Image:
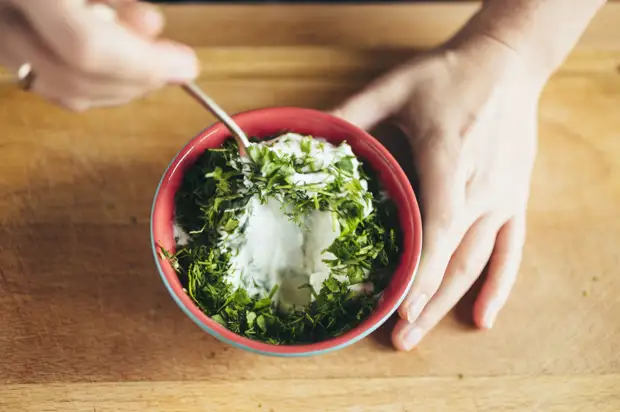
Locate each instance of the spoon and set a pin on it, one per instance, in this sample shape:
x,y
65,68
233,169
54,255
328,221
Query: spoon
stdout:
x,y
240,137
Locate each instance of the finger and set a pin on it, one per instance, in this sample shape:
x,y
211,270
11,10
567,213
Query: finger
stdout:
x,y
502,273
54,81
18,42
8,56
85,40
142,18
379,100
442,184
464,268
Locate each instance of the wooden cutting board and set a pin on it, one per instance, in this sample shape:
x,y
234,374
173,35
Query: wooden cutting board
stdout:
x,y
86,325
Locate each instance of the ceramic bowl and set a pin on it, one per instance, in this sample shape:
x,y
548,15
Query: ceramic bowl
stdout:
x,y
268,122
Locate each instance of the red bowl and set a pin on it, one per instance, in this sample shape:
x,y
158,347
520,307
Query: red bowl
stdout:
x,y
269,122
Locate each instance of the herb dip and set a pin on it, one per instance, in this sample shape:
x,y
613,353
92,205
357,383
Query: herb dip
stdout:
x,y
293,246
269,249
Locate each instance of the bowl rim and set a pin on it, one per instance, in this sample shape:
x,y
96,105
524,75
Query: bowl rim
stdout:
x,y
290,350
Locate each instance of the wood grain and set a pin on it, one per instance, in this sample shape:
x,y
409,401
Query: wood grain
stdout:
x,y
408,24
86,325
466,394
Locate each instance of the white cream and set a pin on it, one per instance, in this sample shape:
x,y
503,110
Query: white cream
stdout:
x,y
273,250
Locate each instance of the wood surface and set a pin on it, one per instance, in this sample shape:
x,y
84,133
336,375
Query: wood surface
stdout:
x,y
86,325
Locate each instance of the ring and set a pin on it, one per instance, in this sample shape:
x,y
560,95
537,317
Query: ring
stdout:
x,y
25,76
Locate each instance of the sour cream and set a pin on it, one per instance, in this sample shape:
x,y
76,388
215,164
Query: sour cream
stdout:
x,y
276,251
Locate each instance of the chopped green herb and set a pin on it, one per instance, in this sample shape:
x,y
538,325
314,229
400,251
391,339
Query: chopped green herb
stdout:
x,y
213,196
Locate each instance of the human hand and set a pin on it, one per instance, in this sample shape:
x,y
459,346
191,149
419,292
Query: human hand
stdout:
x,y
470,115
85,55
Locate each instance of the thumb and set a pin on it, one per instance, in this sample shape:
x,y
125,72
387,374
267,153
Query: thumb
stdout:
x,y
379,100
445,222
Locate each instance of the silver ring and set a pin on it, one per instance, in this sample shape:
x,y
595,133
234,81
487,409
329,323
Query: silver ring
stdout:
x,y
25,76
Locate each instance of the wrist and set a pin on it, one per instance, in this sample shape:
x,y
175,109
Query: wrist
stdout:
x,y
483,42
496,60
540,32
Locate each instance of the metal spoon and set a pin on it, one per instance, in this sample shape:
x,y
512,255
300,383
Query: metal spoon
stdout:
x,y
240,137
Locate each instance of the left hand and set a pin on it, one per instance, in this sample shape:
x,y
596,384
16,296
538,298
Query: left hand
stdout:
x,y
470,115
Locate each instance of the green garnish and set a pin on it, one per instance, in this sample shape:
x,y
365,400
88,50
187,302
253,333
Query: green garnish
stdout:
x,y
213,197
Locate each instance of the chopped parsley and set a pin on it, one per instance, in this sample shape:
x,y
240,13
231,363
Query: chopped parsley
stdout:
x,y
210,201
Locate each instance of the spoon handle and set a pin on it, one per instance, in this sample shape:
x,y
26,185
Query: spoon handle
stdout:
x,y
238,134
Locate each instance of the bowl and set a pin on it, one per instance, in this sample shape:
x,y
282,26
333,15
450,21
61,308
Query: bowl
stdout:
x,y
268,122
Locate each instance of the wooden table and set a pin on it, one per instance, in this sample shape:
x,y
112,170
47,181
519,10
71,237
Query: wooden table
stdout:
x,y
86,325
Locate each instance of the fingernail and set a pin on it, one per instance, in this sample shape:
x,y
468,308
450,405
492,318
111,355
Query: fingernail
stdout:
x,y
103,11
416,307
183,64
153,16
412,337
490,315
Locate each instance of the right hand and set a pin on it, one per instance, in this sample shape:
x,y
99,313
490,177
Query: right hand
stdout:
x,y
470,116
87,55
